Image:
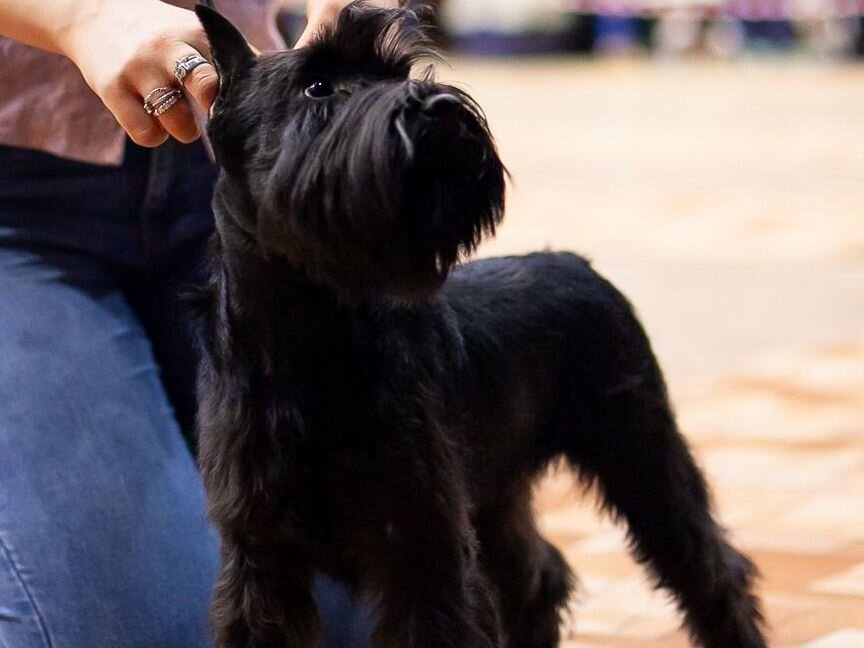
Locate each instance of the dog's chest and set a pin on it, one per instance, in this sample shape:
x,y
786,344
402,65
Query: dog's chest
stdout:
x,y
365,403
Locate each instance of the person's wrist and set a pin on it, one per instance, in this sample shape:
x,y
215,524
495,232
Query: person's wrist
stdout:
x,y
80,25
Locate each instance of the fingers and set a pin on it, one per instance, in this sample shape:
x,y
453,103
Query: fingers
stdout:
x,y
320,13
178,120
129,112
202,83
128,50
306,36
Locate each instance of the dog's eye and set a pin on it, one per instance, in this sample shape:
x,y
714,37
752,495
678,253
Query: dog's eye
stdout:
x,y
319,90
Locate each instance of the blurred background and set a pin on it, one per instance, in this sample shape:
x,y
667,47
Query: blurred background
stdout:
x,y
709,157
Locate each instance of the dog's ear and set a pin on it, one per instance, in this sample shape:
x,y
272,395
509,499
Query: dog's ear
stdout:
x,y
231,53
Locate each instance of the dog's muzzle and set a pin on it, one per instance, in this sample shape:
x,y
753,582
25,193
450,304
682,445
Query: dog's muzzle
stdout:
x,y
438,111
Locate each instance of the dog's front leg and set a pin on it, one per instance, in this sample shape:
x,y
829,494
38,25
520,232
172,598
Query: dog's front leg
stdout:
x,y
263,599
422,572
429,589
263,596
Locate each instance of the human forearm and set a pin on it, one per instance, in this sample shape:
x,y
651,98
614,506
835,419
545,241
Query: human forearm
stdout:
x,y
45,24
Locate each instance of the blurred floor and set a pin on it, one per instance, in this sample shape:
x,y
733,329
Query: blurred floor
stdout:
x,y
726,201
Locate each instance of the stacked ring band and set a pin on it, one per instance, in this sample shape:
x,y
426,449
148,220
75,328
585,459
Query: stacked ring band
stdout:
x,y
161,100
184,66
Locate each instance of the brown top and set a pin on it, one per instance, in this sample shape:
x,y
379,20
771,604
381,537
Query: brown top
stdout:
x,y
45,103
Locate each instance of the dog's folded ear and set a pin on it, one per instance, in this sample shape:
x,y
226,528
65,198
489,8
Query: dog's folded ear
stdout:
x,y
232,55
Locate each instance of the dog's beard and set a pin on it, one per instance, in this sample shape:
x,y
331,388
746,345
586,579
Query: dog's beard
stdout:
x,y
385,192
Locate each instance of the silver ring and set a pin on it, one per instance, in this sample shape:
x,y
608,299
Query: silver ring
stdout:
x,y
160,100
184,66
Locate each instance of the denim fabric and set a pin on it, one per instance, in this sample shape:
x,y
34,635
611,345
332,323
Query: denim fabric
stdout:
x,y
103,540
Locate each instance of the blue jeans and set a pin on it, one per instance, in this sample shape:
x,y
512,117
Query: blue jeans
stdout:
x,y
103,539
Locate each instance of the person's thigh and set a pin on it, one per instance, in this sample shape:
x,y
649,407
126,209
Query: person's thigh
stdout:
x,y
103,538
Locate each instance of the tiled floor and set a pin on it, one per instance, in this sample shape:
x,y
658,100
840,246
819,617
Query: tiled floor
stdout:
x,y
727,202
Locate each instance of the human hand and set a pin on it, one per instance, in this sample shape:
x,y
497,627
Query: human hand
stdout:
x,y
324,12
126,49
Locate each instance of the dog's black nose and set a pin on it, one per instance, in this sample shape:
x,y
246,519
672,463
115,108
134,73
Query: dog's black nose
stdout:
x,y
440,105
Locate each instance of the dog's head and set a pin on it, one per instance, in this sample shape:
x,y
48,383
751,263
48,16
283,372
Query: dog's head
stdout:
x,y
365,178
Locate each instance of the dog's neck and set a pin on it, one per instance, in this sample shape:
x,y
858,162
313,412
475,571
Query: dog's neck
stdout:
x,y
280,315
271,305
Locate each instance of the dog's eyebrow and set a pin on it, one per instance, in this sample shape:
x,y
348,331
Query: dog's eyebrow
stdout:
x,y
317,58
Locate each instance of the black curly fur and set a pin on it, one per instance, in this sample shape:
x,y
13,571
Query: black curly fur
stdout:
x,y
369,412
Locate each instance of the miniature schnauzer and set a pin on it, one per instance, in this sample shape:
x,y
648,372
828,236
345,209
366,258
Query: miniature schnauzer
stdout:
x,y
373,410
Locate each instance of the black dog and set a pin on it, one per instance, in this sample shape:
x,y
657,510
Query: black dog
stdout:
x,y
364,418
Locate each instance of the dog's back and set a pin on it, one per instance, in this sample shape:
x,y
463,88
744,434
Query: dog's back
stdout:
x,y
545,336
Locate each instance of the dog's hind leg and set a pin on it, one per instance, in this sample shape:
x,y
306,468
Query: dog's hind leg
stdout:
x,y
628,444
531,578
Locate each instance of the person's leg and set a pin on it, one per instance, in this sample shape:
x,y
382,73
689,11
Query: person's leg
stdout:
x,y
103,542
176,222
